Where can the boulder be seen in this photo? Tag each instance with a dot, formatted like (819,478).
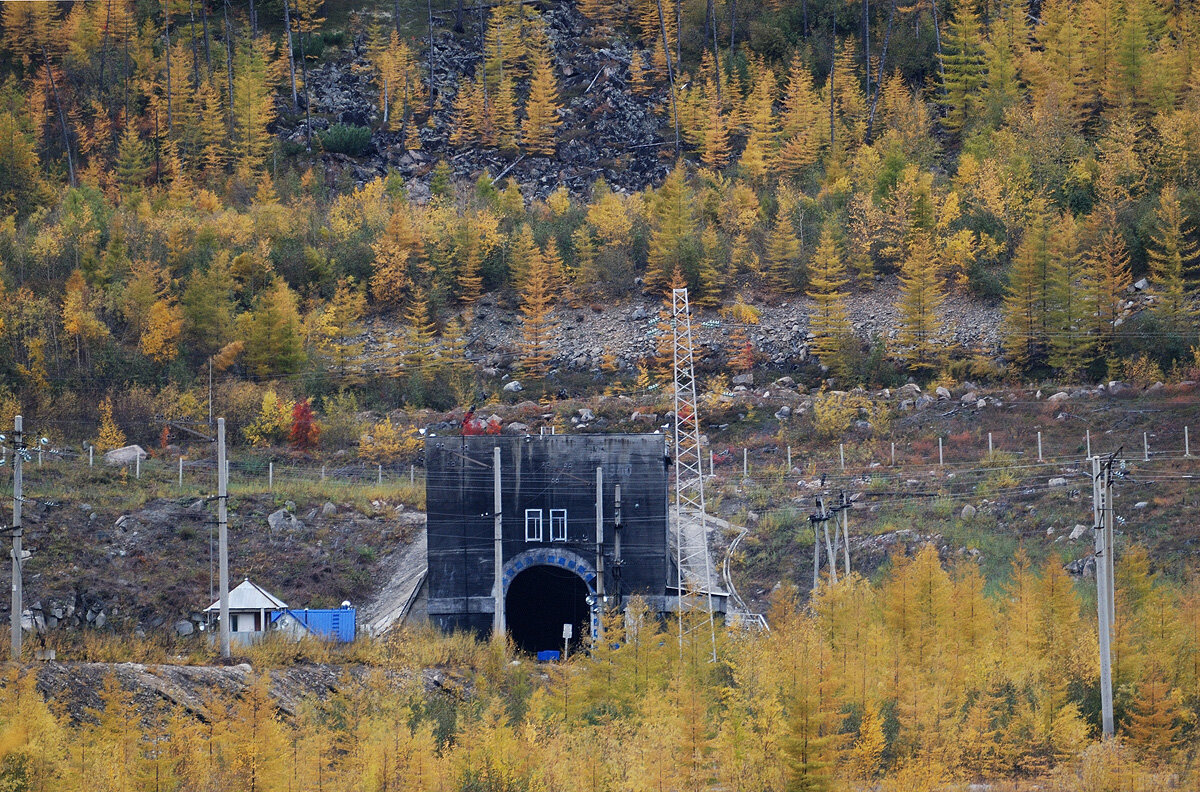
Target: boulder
(586,415)
(1082,566)
(1140,505)
(1141,285)
(328,510)
(786,382)
(910,388)
(968,513)
(746,379)
(184,628)
(641,417)
(125,455)
(513,387)
(639,314)
(1156,387)
(970,397)
(1078,531)
(1061,396)
(283,520)
(784,413)
(516,427)
(942,393)
(1116,386)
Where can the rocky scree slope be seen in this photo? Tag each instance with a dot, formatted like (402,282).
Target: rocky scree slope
(607,132)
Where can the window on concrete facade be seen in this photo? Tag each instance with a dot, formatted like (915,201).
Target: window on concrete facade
(558,525)
(533,525)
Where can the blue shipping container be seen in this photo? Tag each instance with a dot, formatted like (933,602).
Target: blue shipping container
(335,624)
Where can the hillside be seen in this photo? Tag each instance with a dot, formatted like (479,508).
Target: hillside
(935,255)
(462,186)
(136,555)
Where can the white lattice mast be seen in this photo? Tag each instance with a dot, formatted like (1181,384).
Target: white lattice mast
(691,546)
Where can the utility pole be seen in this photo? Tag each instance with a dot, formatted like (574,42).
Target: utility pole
(617,547)
(816,519)
(498,627)
(829,544)
(845,509)
(223,536)
(1101,526)
(600,538)
(17,551)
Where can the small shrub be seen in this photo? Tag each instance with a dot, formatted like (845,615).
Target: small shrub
(346,139)
(1142,371)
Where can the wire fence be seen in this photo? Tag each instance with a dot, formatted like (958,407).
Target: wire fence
(957,462)
(199,476)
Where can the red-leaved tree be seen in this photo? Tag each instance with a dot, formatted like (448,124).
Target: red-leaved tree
(304,432)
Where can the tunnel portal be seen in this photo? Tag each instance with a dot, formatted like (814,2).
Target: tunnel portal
(540,600)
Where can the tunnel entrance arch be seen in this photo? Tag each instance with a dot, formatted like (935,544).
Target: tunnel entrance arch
(543,590)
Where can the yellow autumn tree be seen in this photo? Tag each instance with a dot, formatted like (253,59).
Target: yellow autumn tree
(830,321)
(922,292)
(399,253)
(537,320)
(110,436)
(272,422)
(160,338)
(338,328)
(541,108)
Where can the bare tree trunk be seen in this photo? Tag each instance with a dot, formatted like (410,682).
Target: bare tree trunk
(229,65)
(887,37)
(167,36)
(195,45)
(62,117)
(662,26)
(396,16)
(711,13)
(429,8)
(804,5)
(104,44)
(307,100)
(733,27)
(125,80)
(204,27)
(679,31)
(867,43)
(287,24)
(254,22)
(832,87)
(937,37)
(459,27)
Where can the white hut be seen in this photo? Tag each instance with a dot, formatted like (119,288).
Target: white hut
(250,610)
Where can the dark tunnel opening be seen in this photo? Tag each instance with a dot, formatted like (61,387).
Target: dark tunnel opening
(540,601)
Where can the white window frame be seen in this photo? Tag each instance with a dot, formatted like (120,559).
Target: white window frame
(533,525)
(558,525)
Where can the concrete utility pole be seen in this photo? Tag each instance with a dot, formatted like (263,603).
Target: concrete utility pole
(617,547)
(846,531)
(1101,525)
(829,544)
(816,520)
(498,627)
(600,538)
(223,536)
(17,551)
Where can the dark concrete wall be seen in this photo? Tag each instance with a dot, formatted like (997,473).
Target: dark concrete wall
(540,472)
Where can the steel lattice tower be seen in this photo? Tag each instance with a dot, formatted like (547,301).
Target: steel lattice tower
(691,547)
